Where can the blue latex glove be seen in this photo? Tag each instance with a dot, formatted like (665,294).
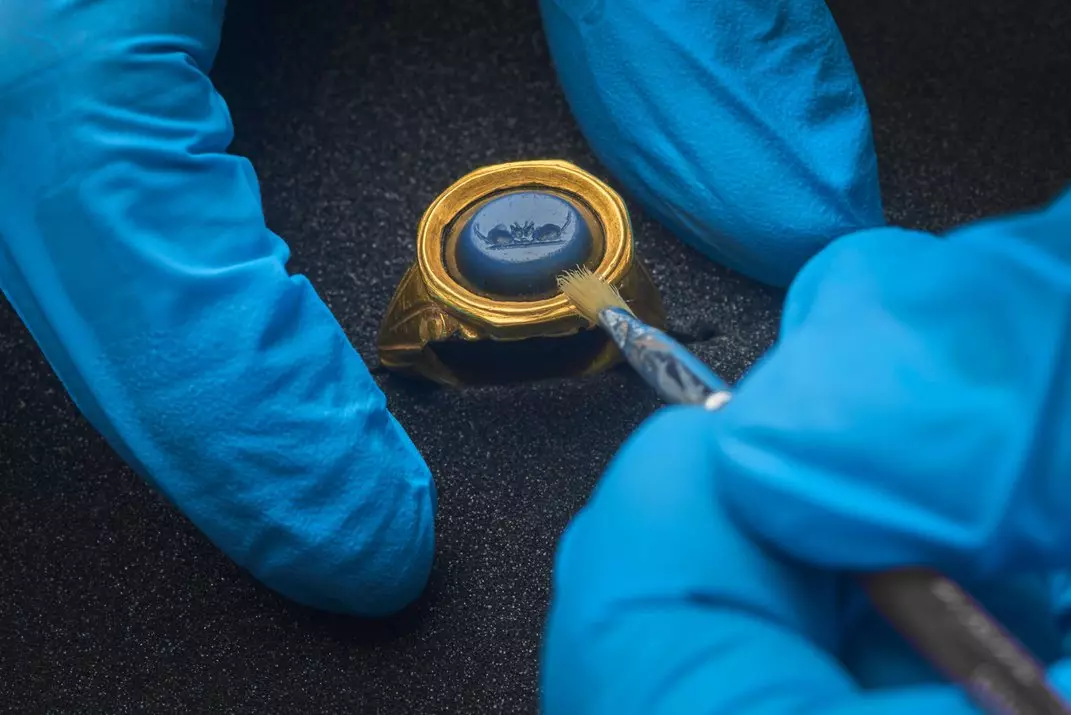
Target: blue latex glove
(915,410)
(135,250)
(739,125)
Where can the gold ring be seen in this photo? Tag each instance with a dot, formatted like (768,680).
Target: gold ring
(480,304)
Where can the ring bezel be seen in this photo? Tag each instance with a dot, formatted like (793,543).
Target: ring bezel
(507,316)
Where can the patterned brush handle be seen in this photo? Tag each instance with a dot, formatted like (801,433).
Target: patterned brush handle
(678,376)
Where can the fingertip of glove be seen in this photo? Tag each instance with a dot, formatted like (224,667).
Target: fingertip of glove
(386,568)
(773,252)
(375,569)
(398,579)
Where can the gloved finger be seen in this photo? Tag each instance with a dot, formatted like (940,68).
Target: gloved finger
(916,407)
(135,250)
(740,126)
(661,605)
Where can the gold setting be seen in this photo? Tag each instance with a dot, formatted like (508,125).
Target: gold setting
(433,304)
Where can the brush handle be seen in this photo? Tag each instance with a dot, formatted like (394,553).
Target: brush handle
(678,376)
(963,641)
(947,627)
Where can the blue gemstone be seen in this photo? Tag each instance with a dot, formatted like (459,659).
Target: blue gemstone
(518,244)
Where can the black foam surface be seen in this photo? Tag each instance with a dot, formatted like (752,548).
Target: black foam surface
(356,114)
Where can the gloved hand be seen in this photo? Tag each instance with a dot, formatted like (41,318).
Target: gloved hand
(135,250)
(739,125)
(915,411)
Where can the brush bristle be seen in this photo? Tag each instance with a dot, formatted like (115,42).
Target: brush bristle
(589,293)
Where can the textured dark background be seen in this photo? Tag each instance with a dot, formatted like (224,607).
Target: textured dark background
(356,114)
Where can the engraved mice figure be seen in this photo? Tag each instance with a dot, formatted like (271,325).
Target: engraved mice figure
(522,234)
